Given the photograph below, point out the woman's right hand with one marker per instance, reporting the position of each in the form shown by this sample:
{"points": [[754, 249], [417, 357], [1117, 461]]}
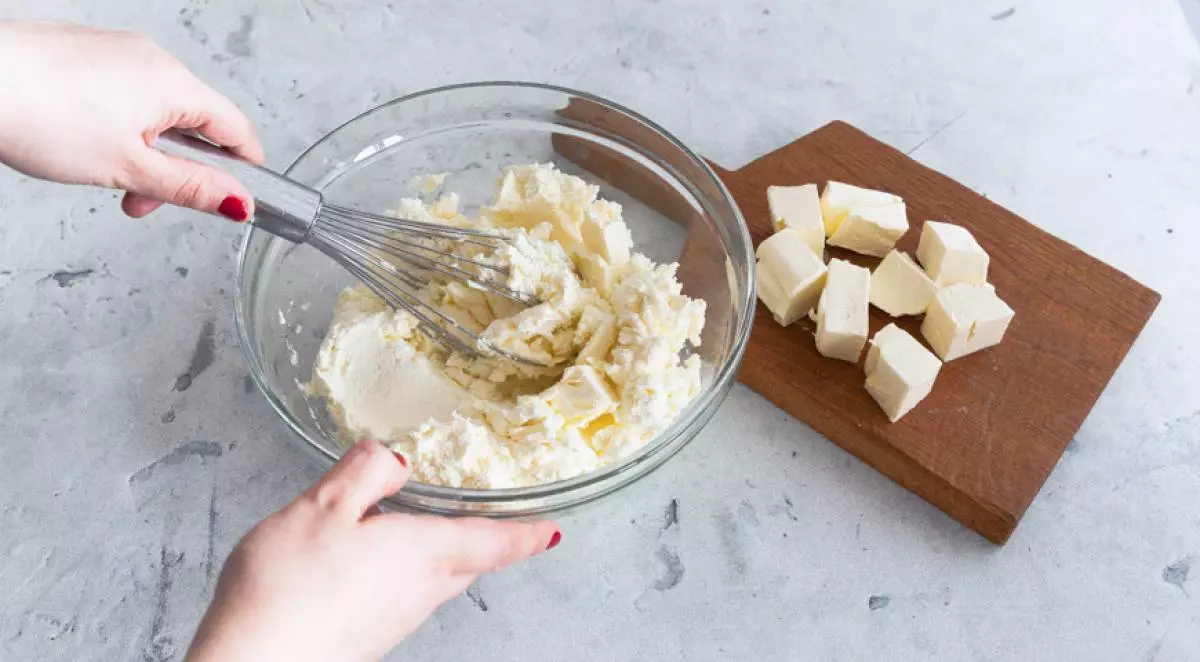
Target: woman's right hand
{"points": [[330, 578], [85, 106]]}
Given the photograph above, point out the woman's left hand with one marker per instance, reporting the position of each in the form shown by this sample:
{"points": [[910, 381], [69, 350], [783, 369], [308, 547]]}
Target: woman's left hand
{"points": [[331, 578], [85, 106]]}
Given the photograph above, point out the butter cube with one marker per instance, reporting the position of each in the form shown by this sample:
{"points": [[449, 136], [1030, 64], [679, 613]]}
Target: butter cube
{"points": [[838, 199], [582, 395], [842, 311], [951, 255], [799, 208], [900, 371], [596, 333], [871, 230], [965, 318], [605, 245], [604, 234], [900, 287], [790, 275]]}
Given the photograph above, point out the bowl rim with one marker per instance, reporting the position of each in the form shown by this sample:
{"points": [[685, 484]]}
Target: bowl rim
{"points": [[708, 397]]}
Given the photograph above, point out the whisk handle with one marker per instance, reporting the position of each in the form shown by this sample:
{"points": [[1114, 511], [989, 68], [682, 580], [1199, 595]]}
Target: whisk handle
{"points": [[282, 207]]}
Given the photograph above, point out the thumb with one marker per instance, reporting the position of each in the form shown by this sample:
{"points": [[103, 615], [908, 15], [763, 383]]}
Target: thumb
{"points": [[189, 184], [366, 474]]}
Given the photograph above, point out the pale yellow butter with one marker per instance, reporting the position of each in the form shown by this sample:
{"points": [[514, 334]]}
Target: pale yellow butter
{"points": [[798, 208], [842, 311], [581, 396], [605, 234], [965, 318], [790, 275], [838, 199], [871, 230], [900, 371], [900, 287], [951, 255]]}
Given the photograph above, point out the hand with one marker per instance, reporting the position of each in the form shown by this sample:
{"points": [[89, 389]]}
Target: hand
{"points": [[325, 579], [85, 106]]}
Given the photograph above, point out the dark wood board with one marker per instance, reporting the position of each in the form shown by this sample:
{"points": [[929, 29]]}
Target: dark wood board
{"points": [[981, 446]]}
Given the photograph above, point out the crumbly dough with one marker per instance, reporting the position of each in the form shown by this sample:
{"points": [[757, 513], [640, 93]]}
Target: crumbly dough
{"points": [[616, 321]]}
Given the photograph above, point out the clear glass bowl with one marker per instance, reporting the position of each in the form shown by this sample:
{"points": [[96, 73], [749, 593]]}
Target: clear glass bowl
{"points": [[676, 207]]}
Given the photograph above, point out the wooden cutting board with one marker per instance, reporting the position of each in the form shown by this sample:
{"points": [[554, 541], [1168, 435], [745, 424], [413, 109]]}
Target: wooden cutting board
{"points": [[981, 446]]}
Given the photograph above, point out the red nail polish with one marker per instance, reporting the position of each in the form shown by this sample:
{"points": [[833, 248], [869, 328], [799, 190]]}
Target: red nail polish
{"points": [[554, 540], [234, 208], [400, 458]]}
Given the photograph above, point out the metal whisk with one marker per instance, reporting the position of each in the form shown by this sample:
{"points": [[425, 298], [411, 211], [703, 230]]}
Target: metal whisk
{"points": [[394, 257]]}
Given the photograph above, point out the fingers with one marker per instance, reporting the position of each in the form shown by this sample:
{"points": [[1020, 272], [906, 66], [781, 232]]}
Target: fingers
{"points": [[215, 117], [367, 473], [477, 545], [154, 177], [230, 129], [137, 206], [185, 183]]}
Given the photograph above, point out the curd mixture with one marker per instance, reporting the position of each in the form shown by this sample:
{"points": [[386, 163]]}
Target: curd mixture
{"points": [[611, 320]]}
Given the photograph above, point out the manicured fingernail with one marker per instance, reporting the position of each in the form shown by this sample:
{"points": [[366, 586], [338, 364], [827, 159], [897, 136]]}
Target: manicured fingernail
{"points": [[234, 208], [554, 540], [400, 458]]}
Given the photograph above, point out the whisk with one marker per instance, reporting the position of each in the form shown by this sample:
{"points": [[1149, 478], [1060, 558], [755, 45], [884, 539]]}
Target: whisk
{"points": [[394, 257]]}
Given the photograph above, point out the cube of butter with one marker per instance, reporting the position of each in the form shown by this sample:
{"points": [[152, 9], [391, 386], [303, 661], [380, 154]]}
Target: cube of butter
{"points": [[604, 234], [838, 199], [842, 311], [596, 333], [900, 287], [790, 275], [965, 318], [582, 395], [951, 255], [799, 208], [900, 371], [606, 244], [871, 230]]}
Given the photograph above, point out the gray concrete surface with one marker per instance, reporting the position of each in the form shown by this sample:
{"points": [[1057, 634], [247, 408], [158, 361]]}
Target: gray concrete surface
{"points": [[1191, 9], [121, 492]]}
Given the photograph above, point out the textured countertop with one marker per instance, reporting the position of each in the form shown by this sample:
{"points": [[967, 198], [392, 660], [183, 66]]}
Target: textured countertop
{"points": [[134, 452]]}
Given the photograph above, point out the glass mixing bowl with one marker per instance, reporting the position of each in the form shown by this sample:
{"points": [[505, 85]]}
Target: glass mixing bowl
{"points": [[676, 207]]}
